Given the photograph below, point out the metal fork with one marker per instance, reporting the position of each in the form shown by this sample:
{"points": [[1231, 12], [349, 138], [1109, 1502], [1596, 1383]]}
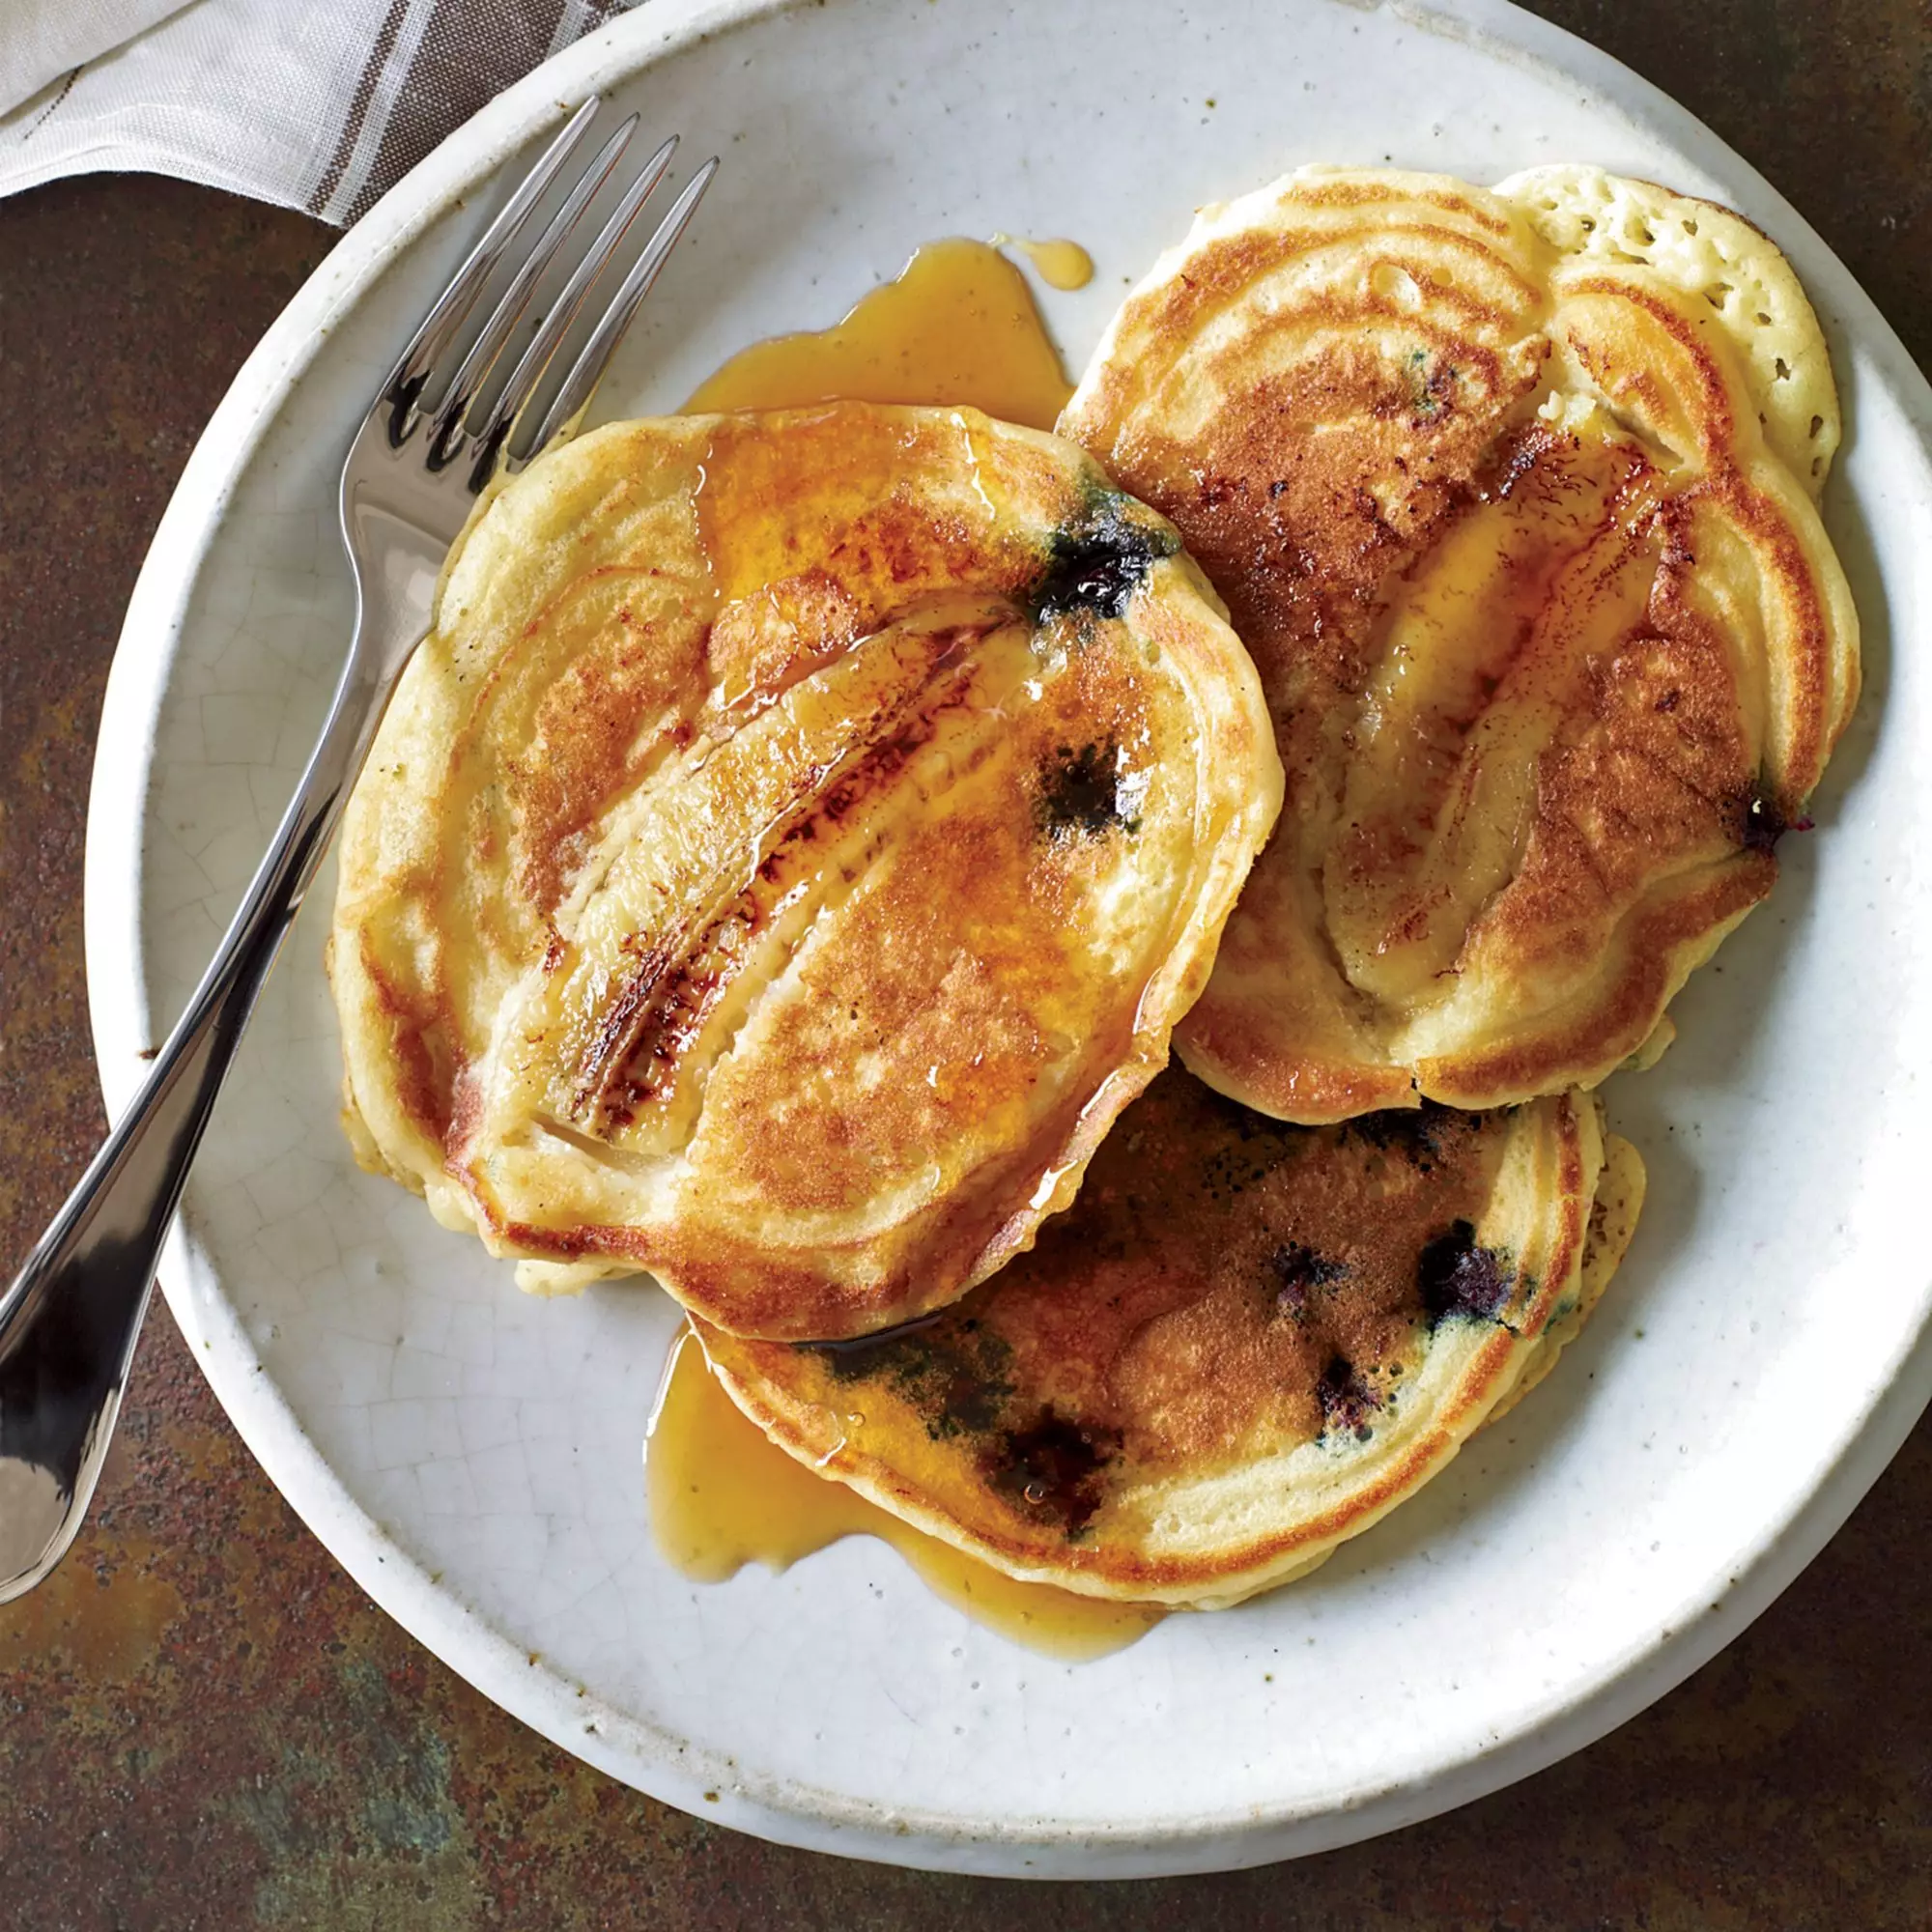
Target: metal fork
{"points": [[69, 1322]]}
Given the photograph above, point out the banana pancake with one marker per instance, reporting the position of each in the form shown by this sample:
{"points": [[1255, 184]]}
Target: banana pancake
{"points": [[1512, 495], [788, 852], [1245, 1343]]}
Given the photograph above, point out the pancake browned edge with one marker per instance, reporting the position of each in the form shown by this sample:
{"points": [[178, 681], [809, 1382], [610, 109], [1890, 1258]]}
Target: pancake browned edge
{"points": [[1512, 494], [788, 852], [1244, 1344]]}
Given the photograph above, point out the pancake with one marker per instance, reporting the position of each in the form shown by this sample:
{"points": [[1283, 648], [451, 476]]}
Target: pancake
{"points": [[788, 852], [1512, 495], [1245, 1343]]}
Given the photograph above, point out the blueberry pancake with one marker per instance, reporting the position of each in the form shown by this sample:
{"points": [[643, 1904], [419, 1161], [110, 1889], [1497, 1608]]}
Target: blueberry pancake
{"points": [[1513, 495], [1245, 1343], [788, 854]]}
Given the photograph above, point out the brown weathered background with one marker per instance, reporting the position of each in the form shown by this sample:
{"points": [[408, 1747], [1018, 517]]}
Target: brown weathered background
{"points": [[203, 1722]]}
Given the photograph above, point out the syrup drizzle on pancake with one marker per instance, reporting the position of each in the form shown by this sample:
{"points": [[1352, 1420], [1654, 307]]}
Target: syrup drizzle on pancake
{"points": [[957, 325]]}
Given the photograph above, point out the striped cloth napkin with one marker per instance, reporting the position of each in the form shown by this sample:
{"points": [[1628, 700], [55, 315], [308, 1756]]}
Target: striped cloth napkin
{"points": [[318, 105]]}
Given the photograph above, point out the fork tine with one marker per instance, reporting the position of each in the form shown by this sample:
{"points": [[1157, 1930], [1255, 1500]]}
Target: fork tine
{"points": [[447, 440], [501, 421], [405, 382], [588, 369]]}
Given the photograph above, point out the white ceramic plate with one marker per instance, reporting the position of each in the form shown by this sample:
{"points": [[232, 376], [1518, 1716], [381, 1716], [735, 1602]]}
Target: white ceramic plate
{"points": [[473, 1456]]}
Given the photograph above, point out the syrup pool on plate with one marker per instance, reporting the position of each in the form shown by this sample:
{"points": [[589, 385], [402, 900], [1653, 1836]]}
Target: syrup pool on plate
{"points": [[1060, 263], [721, 1497], [957, 325]]}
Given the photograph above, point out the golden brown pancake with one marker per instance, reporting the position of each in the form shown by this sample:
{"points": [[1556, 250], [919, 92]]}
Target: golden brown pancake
{"points": [[788, 854], [1512, 495], [1245, 1343]]}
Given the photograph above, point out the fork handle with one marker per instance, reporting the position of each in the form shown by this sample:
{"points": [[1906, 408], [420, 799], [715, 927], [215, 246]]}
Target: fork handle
{"points": [[71, 1318]]}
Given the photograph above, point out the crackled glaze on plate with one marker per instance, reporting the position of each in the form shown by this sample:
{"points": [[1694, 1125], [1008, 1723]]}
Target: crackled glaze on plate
{"points": [[473, 1456]]}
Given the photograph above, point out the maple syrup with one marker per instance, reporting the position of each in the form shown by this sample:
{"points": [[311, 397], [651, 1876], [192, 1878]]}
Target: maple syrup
{"points": [[957, 325], [721, 1497], [1061, 263]]}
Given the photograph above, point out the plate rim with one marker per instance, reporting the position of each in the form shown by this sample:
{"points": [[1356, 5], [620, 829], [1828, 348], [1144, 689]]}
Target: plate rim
{"points": [[649, 1757]]}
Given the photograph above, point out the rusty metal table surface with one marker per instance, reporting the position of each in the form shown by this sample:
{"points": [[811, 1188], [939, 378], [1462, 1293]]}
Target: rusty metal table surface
{"points": [[204, 1722]]}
